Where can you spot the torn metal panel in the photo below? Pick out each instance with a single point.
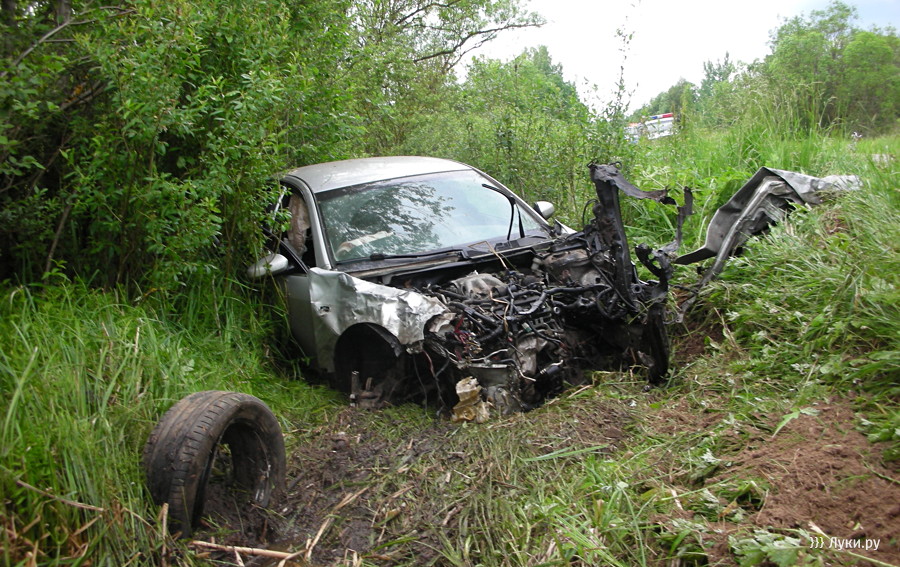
(609, 173)
(759, 203)
(762, 201)
(340, 301)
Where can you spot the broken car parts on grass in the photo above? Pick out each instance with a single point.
(765, 199)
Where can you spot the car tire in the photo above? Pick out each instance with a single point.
(182, 451)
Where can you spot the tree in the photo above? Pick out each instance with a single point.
(136, 151)
(519, 120)
(678, 99)
(831, 74)
(423, 30)
(405, 54)
(870, 92)
(715, 74)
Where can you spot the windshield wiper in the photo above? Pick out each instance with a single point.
(377, 256)
(512, 204)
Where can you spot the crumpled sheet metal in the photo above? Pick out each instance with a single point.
(340, 301)
(757, 204)
(609, 173)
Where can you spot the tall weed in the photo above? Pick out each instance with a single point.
(818, 296)
(85, 376)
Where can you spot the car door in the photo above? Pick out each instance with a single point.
(302, 245)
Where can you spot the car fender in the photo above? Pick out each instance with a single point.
(340, 301)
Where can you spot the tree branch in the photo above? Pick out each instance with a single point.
(425, 8)
(45, 37)
(458, 45)
(50, 34)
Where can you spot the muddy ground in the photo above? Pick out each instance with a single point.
(370, 485)
(355, 490)
(374, 486)
(817, 475)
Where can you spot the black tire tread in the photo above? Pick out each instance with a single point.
(160, 456)
(178, 450)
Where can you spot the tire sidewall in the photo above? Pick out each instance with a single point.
(179, 452)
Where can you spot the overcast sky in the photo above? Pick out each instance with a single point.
(672, 38)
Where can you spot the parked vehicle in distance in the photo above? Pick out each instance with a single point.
(652, 127)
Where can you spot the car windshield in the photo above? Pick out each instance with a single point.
(420, 214)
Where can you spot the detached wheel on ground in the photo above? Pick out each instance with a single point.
(213, 442)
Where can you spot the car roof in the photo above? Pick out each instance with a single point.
(346, 173)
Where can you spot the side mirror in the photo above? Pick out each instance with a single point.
(545, 209)
(272, 264)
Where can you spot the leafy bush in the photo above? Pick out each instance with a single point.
(139, 150)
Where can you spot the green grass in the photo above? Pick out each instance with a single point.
(85, 375)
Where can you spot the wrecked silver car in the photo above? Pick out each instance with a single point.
(405, 276)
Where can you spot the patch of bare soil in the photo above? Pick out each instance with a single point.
(337, 503)
(816, 474)
(826, 477)
(367, 485)
(692, 337)
(226, 508)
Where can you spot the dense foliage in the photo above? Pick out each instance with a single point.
(146, 133)
(138, 141)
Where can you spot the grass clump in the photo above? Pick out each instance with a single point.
(85, 375)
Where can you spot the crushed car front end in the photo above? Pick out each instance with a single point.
(436, 289)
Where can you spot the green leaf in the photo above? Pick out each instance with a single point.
(792, 416)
